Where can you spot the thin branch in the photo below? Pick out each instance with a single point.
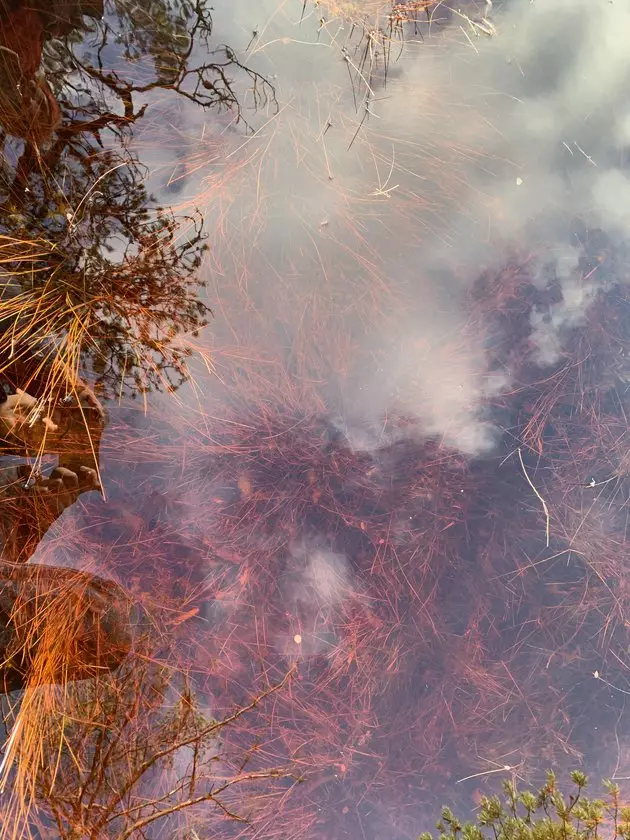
(542, 501)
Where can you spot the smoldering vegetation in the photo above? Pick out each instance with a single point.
(404, 480)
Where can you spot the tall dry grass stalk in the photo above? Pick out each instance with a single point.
(59, 626)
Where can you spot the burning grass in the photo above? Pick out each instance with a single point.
(433, 629)
(437, 611)
(440, 616)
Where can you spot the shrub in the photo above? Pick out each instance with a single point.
(543, 815)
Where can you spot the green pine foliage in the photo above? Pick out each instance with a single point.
(545, 815)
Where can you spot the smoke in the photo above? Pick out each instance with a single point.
(342, 210)
(317, 591)
(564, 70)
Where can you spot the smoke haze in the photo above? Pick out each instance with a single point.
(488, 135)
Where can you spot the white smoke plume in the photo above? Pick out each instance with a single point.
(317, 596)
(486, 135)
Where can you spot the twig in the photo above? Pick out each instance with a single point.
(542, 501)
(505, 769)
(599, 677)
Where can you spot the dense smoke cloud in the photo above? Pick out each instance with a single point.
(546, 111)
(477, 143)
(562, 72)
